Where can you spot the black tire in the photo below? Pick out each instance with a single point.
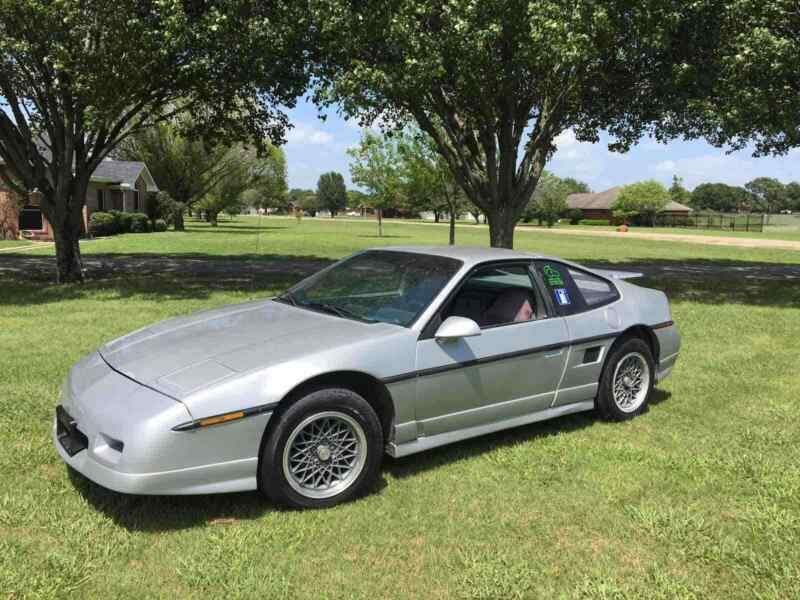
(606, 404)
(337, 405)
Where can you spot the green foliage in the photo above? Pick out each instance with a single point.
(742, 77)
(139, 223)
(305, 200)
(597, 222)
(103, 224)
(645, 198)
(90, 73)
(720, 197)
(494, 83)
(375, 165)
(769, 194)
(123, 220)
(574, 215)
(332, 192)
(160, 225)
(270, 183)
(677, 192)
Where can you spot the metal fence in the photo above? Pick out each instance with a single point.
(745, 222)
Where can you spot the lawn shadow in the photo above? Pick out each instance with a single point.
(417, 463)
(173, 513)
(28, 279)
(383, 237)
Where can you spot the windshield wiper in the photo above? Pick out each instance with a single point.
(339, 311)
(287, 297)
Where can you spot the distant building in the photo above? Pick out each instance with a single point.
(115, 185)
(598, 206)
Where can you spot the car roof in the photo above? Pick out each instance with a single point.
(469, 255)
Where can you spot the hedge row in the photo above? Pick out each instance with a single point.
(114, 222)
(594, 222)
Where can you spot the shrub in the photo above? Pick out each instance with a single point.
(161, 225)
(574, 215)
(594, 222)
(139, 223)
(103, 223)
(123, 219)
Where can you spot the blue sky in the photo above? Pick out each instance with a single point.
(316, 146)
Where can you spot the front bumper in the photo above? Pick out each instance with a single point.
(119, 434)
(232, 476)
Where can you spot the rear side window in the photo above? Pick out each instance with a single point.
(573, 291)
(595, 290)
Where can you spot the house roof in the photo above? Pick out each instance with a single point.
(125, 172)
(121, 172)
(604, 201)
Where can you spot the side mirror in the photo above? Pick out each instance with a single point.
(457, 327)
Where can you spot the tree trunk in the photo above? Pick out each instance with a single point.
(379, 212)
(501, 228)
(212, 218)
(68, 252)
(452, 227)
(177, 220)
(436, 216)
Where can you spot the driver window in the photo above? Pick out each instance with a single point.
(497, 295)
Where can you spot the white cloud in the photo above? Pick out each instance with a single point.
(565, 139)
(302, 133)
(666, 165)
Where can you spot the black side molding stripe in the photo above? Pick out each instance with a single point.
(663, 325)
(248, 412)
(495, 358)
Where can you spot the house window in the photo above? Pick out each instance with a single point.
(99, 199)
(135, 200)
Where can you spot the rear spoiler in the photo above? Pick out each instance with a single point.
(612, 274)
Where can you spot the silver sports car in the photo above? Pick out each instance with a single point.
(394, 350)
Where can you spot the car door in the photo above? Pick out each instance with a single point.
(586, 303)
(511, 369)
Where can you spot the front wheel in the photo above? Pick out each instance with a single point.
(627, 381)
(324, 449)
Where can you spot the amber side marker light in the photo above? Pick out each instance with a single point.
(226, 418)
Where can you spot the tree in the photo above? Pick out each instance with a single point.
(793, 196)
(495, 82)
(574, 186)
(357, 200)
(428, 183)
(375, 167)
(305, 200)
(549, 200)
(769, 194)
(249, 171)
(750, 91)
(332, 192)
(270, 188)
(186, 167)
(720, 197)
(77, 77)
(677, 192)
(645, 198)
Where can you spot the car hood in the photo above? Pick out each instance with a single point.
(180, 356)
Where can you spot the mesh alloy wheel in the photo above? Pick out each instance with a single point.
(324, 454)
(631, 382)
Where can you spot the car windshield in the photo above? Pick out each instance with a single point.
(376, 286)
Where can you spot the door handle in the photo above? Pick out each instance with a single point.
(553, 354)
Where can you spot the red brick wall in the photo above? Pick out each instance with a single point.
(9, 216)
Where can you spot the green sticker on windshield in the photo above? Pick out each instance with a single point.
(552, 276)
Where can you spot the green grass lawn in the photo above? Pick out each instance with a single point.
(790, 233)
(697, 498)
(4, 244)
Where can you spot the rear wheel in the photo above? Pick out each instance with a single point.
(627, 381)
(324, 449)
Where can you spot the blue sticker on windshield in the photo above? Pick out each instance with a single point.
(562, 297)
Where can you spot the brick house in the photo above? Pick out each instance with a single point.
(115, 185)
(598, 206)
